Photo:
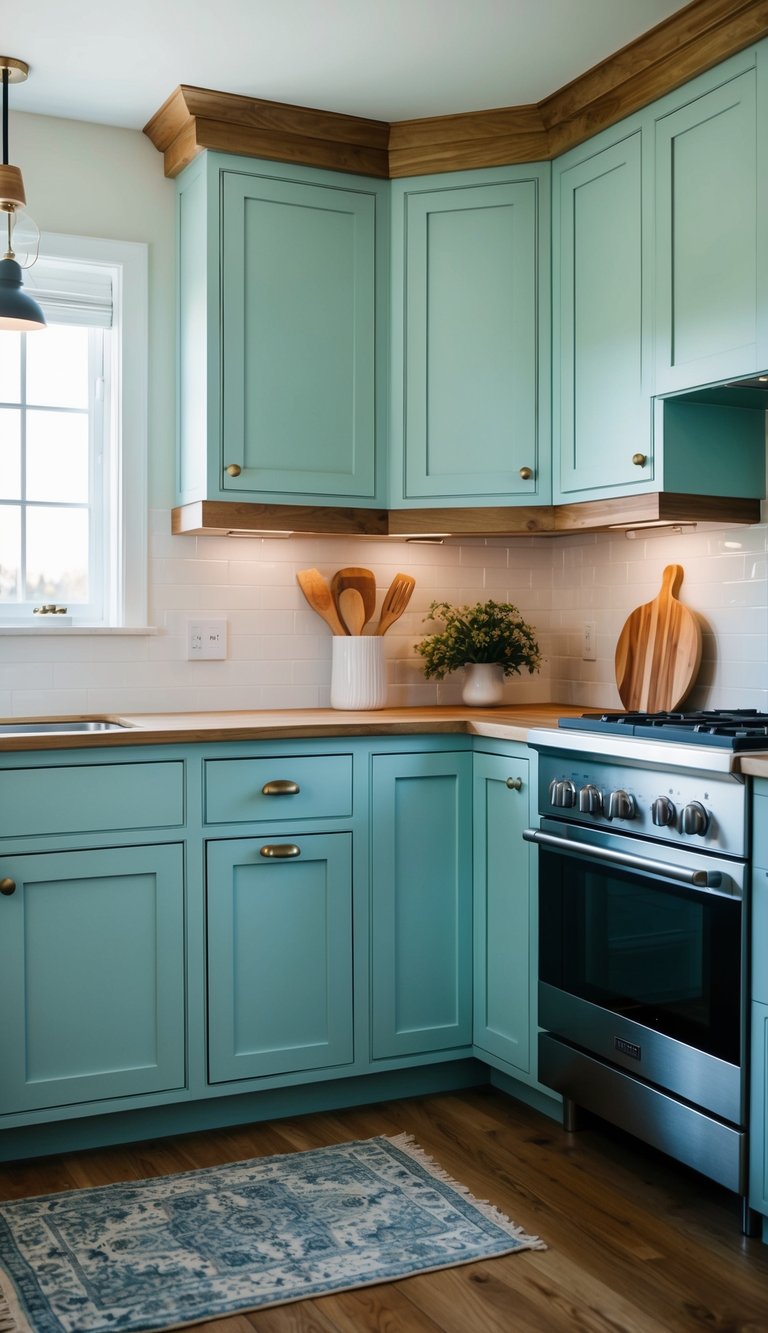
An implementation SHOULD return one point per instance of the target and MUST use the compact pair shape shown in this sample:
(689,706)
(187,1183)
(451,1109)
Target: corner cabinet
(711,156)
(470,371)
(505,963)
(602,318)
(282,301)
(758,1083)
(421,904)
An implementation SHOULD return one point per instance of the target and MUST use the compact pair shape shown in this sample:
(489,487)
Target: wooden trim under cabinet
(689,42)
(217,518)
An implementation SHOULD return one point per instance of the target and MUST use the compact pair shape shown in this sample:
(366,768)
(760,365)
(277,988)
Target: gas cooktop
(732,729)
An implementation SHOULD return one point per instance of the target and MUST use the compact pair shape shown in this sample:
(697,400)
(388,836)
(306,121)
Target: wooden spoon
(352,610)
(318,594)
(353,576)
(397,598)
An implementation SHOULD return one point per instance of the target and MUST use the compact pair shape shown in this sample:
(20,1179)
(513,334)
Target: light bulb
(20,235)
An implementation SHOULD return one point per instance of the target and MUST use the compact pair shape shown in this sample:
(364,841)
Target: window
(73,504)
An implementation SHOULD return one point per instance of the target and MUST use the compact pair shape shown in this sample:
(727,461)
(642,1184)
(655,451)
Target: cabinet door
(602,404)
(758,1117)
(279,955)
(298,338)
(421,903)
(92,975)
(504,975)
(707,238)
(473,359)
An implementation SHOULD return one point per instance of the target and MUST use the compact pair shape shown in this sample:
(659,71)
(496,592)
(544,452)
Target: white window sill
(17,627)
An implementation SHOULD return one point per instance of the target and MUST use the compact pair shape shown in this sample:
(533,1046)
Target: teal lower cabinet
(758,1096)
(279,930)
(504,965)
(91,976)
(421,903)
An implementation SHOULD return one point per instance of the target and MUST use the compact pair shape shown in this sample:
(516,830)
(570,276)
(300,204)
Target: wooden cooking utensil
(659,650)
(318,594)
(353,576)
(397,598)
(352,610)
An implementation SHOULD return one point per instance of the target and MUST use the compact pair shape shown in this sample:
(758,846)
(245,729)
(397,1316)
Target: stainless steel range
(643,840)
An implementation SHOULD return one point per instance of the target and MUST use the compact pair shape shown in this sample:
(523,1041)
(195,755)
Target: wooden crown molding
(684,45)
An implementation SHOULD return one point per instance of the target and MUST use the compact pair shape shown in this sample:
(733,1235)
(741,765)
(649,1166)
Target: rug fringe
(407,1143)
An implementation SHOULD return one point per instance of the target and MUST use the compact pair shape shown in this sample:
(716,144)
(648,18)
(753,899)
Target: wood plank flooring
(636,1243)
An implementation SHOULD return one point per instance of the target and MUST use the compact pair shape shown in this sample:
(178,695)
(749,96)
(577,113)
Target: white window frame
(124,494)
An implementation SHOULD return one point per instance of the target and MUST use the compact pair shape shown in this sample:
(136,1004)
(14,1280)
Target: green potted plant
(490,640)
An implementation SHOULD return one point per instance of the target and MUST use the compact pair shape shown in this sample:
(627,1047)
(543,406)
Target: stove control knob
(663,812)
(621,805)
(695,818)
(562,793)
(590,800)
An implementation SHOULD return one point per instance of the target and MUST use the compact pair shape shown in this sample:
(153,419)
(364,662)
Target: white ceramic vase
(358,678)
(483,684)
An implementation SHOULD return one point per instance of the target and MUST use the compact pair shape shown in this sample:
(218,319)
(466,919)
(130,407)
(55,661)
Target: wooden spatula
(659,650)
(352,610)
(362,580)
(397,598)
(318,594)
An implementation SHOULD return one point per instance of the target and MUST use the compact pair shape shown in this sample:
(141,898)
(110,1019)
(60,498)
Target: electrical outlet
(588,646)
(206,640)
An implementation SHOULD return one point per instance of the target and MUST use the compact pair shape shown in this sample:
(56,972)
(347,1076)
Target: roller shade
(72,293)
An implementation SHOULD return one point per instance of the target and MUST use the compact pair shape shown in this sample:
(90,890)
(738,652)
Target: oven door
(641,960)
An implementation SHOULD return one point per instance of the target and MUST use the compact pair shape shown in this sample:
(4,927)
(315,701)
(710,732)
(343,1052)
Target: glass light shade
(18,310)
(21,235)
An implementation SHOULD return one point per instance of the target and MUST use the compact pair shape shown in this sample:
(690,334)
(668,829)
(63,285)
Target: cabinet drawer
(237,791)
(90,798)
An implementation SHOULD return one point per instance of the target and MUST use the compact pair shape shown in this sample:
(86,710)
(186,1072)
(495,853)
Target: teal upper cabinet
(602,322)
(470,338)
(711,272)
(282,280)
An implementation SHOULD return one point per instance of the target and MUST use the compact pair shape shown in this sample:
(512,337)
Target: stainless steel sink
(56,728)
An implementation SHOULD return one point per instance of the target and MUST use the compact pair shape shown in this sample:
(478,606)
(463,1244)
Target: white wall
(96,180)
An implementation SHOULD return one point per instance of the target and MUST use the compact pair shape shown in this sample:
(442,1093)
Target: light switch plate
(206,640)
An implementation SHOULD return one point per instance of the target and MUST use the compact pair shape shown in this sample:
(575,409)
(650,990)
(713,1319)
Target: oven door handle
(696,879)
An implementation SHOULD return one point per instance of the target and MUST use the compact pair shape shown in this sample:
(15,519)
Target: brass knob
(515,784)
(7,887)
(233,470)
(280,787)
(639,460)
(280,851)
(526,473)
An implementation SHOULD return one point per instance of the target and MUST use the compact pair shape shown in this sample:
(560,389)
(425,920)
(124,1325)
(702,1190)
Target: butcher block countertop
(506,723)
(755,765)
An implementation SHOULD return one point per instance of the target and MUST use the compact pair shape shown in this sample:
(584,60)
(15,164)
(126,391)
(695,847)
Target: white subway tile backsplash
(279,651)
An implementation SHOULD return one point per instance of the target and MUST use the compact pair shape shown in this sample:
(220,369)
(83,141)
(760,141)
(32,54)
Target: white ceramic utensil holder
(358,679)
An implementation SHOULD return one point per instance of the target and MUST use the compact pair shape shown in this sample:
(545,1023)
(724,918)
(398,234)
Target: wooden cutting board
(659,650)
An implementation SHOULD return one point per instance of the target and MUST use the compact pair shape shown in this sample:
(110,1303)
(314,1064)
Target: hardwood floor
(636,1243)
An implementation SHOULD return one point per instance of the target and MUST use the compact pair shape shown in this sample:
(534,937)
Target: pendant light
(19,236)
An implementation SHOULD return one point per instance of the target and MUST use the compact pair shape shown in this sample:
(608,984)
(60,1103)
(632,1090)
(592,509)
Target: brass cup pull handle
(526,473)
(280,851)
(7,887)
(515,784)
(639,460)
(280,787)
(233,470)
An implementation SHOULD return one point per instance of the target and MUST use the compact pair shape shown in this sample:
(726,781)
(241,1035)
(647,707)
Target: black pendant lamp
(19,234)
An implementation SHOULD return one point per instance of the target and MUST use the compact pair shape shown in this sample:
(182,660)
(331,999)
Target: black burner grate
(735,729)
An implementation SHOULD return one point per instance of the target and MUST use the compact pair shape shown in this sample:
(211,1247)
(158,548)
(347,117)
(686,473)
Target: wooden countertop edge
(754,765)
(506,723)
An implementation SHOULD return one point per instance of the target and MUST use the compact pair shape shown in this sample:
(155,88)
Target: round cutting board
(659,650)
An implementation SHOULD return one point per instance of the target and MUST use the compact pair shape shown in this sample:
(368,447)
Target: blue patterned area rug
(175,1250)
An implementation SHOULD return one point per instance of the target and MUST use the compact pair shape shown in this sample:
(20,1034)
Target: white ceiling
(116,62)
